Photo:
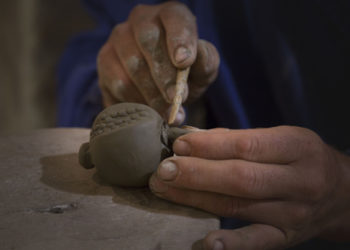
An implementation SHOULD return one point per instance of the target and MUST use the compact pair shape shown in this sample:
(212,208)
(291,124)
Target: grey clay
(127,143)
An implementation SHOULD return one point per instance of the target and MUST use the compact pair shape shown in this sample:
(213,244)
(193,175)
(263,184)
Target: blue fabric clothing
(282,62)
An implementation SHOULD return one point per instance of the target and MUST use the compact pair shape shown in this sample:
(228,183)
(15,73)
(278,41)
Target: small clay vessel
(127,143)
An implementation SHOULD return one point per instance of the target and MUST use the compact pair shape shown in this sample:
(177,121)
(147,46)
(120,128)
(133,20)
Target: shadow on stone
(63,172)
(198,245)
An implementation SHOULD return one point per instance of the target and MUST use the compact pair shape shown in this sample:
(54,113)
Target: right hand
(139,61)
(286,180)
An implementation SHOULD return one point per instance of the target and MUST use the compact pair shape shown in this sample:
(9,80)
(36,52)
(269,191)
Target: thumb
(255,236)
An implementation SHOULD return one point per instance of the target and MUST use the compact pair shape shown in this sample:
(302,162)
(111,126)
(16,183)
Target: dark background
(33,36)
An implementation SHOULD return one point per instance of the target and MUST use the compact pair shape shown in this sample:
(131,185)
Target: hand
(138,63)
(285,180)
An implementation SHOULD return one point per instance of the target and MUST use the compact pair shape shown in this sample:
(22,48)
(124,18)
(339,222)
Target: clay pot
(127,143)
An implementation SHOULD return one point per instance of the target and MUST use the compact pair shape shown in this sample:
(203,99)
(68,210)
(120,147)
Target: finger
(136,67)
(219,204)
(150,38)
(272,211)
(116,84)
(231,177)
(144,12)
(255,236)
(217,130)
(107,98)
(204,70)
(279,145)
(102,60)
(181,33)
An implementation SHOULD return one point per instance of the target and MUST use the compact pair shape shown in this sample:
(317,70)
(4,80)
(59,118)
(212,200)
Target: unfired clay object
(127,143)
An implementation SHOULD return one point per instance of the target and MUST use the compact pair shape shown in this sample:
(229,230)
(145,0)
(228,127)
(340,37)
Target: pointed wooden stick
(181,83)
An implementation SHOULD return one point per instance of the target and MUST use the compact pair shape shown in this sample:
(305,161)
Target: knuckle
(212,57)
(134,64)
(215,58)
(247,146)
(149,36)
(316,189)
(207,61)
(248,180)
(207,69)
(306,140)
(138,10)
(209,238)
(300,216)
(173,6)
(232,207)
(119,29)
(118,89)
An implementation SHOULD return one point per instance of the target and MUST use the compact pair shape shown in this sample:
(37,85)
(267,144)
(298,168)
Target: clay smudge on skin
(133,64)
(152,40)
(118,89)
(141,78)
(149,37)
(180,39)
(164,72)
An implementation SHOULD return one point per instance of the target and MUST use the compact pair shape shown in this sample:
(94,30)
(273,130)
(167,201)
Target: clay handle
(84,156)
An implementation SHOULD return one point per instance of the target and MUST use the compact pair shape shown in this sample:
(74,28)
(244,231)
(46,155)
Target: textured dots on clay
(127,143)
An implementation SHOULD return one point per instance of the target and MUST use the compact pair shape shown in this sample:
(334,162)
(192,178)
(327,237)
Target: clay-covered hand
(139,61)
(285,180)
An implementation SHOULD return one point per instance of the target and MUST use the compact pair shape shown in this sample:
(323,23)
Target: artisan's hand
(285,180)
(139,61)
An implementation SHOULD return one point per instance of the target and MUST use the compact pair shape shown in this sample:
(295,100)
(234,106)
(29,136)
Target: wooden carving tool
(181,83)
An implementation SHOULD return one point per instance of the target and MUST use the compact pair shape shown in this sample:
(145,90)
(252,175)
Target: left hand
(285,180)
(139,61)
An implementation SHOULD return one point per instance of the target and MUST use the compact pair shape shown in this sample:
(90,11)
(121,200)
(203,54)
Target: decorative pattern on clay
(111,120)
(127,143)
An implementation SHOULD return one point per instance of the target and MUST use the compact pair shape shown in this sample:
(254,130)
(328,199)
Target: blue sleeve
(79,98)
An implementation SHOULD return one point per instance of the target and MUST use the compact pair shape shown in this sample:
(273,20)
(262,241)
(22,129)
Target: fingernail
(181,147)
(167,171)
(157,186)
(182,54)
(218,245)
(171,92)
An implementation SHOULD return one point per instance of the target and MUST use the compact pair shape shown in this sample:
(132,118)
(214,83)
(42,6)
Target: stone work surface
(48,201)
